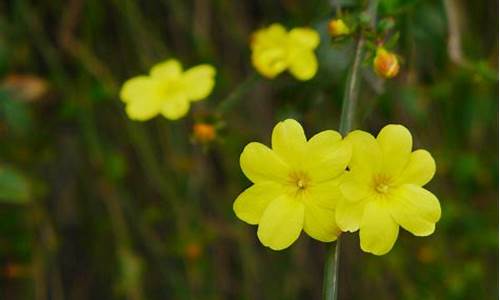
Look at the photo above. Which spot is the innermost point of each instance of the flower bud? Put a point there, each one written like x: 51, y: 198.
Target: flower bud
x: 193, y: 251
x: 337, y: 28
x: 204, y: 133
x: 386, y: 63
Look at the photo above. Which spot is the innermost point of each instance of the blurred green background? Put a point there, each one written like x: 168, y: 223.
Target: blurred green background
x: 95, y: 206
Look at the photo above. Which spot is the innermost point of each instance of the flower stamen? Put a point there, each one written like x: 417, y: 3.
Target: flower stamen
x: 299, y: 181
x: 381, y: 183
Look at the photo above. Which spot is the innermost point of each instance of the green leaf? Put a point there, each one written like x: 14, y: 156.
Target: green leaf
x: 393, y: 40
x: 14, y: 187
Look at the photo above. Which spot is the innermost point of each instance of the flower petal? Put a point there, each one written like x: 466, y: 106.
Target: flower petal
x: 289, y: 142
x: 395, y: 142
x: 270, y: 61
x: 415, y: 209
x: 349, y: 215
x: 419, y: 170
x: 260, y: 164
x: 328, y: 156
x: 176, y: 107
x: 303, y: 64
x: 199, y: 82
x: 250, y: 205
x: 281, y: 223
x: 355, y: 185
x: 136, y: 89
x: 366, y: 153
x: 141, y: 96
x: 166, y: 70
x: 304, y: 37
x: 378, y: 231
x: 319, y: 223
x: 143, y: 110
x: 272, y: 36
x: 325, y: 194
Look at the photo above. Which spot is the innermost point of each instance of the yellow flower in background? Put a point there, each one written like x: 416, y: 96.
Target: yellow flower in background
x: 295, y: 185
x: 337, y: 27
x: 167, y: 90
x: 386, y: 63
x: 275, y: 50
x: 383, y: 189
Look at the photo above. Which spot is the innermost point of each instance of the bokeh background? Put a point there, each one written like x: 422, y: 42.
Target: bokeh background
x: 95, y: 206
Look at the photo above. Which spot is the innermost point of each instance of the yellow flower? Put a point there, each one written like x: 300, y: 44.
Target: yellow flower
x: 337, y: 27
x: 166, y: 90
x: 386, y: 63
x: 275, y: 50
x: 295, y: 185
x: 383, y: 189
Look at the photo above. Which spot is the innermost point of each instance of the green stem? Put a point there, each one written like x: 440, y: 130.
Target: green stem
x: 330, y: 281
x: 349, y: 102
x: 232, y: 99
x: 351, y: 91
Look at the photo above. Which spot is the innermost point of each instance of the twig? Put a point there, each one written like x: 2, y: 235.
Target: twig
x: 330, y: 284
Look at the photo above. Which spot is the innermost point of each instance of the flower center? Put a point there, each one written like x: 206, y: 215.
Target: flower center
x: 299, y: 181
x: 382, y: 188
x: 381, y: 183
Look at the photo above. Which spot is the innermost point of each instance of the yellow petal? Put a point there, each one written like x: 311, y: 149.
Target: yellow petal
x: 419, y: 170
x: 325, y: 194
x: 175, y: 107
x: 356, y: 186
x: 270, y: 61
x: 395, y: 142
x: 349, y: 215
x: 323, y: 140
x: 136, y: 89
x: 274, y: 35
x: 366, y: 153
x: 141, y: 96
x: 199, y: 82
x: 327, y: 156
x: 415, y: 209
x: 378, y: 231
x: 269, y: 55
x: 250, y: 205
x: 304, y: 37
x: 281, y: 223
x: 289, y: 142
x: 260, y: 164
x: 303, y: 65
x: 143, y: 110
x: 166, y: 70
x: 319, y: 223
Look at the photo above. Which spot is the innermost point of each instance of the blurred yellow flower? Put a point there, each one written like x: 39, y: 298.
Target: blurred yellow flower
x: 383, y: 189
x: 295, y: 185
x: 337, y: 27
x: 385, y: 63
x: 167, y: 90
x: 275, y: 50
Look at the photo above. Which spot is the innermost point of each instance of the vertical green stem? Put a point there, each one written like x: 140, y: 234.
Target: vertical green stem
x: 330, y: 280
x: 330, y: 284
x: 351, y: 91
x: 331, y: 275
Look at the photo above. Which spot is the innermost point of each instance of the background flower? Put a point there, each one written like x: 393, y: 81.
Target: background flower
x: 275, y: 50
x: 167, y: 90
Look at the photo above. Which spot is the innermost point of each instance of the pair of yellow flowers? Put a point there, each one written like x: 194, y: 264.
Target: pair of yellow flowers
x: 326, y: 185
x: 168, y: 90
